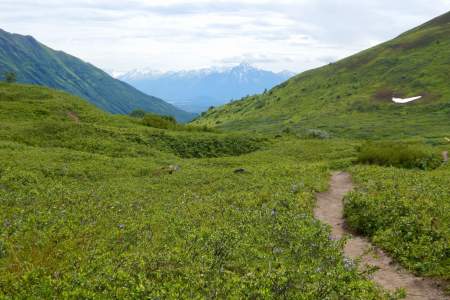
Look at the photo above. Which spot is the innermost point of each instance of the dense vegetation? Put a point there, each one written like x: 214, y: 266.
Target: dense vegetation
x: 100, y: 206
x: 402, y: 199
x: 406, y: 212
x: 166, y: 122
x: 352, y: 97
x: 35, y: 63
x: 399, y: 154
x: 97, y: 206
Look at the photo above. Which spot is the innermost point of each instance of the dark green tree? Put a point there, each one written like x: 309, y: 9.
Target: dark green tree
x: 138, y: 113
x: 10, y: 77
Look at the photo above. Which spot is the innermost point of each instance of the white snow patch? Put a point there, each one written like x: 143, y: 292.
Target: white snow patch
x: 407, y: 100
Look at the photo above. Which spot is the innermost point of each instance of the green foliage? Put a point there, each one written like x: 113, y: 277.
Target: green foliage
x: 155, y: 121
x: 398, y: 154
x: 138, y: 113
x: 10, y: 77
x: 406, y: 212
x: 317, y: 134
x: 88, y: 210
x: 353, y: 97
x: 212, y: 146
x: 169, y: 122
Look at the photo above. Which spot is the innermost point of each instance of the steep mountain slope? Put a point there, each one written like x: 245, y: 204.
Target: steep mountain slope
x: 35, y: 63
x: 353, y: 97
x: 198, y: 90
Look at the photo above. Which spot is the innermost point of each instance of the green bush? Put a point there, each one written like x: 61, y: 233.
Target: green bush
x: 209, y: 146
x: 162, y: 122
x: 138, y: 113
x: 405, y: 212
x: 396, y: 154
x: 10, y: 77
x: 317, y: 134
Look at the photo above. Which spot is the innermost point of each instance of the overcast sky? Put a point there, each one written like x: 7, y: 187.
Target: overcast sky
x: 188, y: 34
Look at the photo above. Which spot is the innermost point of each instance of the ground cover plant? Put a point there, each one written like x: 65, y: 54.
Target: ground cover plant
x: 94, y: 207
x: 399, y: 154
x: 407, y: 213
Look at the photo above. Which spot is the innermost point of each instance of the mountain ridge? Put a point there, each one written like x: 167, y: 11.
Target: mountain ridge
x: 35, y: 63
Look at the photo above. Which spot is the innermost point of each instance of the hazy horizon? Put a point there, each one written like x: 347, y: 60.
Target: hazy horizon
x: 174, y: 35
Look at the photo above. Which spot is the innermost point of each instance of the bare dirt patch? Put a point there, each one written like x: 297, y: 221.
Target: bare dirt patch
x: 73, y: 116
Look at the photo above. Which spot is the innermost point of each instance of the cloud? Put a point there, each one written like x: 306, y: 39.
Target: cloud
x: 179, y: 34
x: 254, y: 59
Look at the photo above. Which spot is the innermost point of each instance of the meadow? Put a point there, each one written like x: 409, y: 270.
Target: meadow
x: 97, y: 206
x: 92, y: 207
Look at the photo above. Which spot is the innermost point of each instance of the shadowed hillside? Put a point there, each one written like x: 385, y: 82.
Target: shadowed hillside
x: 35, y: 63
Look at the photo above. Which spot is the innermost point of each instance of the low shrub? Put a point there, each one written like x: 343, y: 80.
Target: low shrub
x: 161, y: 122
x: 169, y: 122
x: 138, y: 113
x: 209, y: 146
x: 317, y: 134
x: 405, y: 212
x: 396, y: 154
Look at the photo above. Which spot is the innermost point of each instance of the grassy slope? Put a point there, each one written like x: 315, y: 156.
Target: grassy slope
x: 37, y: 64
x: 352, y: 97
x: 89, y: 211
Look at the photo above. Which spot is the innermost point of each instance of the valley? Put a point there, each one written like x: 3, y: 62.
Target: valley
x: 198, y: 90
x: 105, y: 205
x: 334, y: 184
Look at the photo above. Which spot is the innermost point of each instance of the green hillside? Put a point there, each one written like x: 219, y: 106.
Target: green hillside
x: 352, y: 98
x: 35, y: 63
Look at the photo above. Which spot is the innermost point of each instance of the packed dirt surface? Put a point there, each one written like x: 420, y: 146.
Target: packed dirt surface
x: 390, y: 276
x: 73, y: 116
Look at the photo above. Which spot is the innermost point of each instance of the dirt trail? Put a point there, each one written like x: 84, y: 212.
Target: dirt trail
x: 73, y: 116
x: 390, y: 275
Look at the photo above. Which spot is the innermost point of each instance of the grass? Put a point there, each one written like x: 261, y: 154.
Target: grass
x: 92, y: 208
x: 400, y: 154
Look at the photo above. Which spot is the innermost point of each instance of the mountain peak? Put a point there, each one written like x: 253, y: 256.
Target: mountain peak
x: 197, y: 90
x: 146, y: 73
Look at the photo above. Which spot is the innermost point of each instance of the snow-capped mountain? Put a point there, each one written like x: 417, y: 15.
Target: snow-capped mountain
x: 197, y: 90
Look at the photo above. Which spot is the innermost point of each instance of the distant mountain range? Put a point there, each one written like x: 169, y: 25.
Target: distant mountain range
x: 35, y: 63
x: 197, y: 90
